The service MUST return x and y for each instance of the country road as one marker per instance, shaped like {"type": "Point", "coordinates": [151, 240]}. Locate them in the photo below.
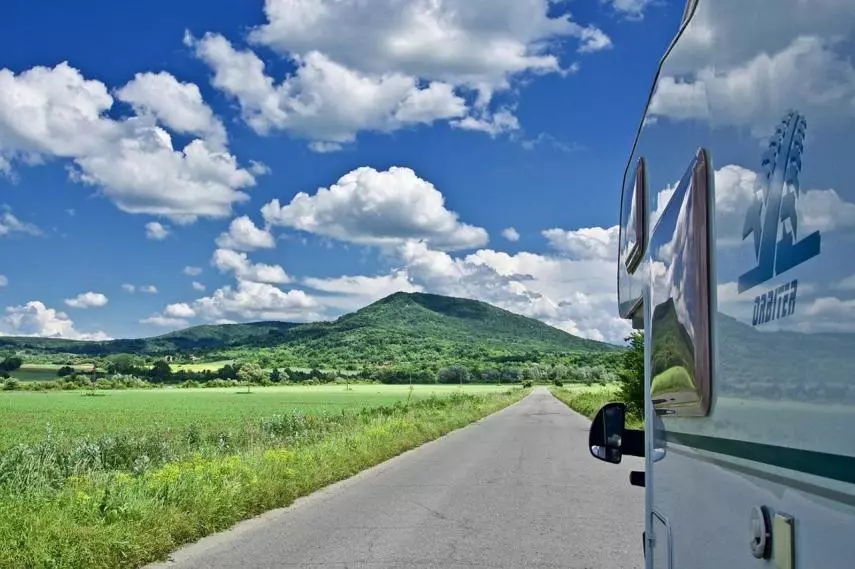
{"type": "Point", "coordinates": [517, 489]}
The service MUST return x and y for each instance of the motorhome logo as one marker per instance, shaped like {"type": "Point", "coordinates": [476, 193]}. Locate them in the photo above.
{"type": "Point", "coordinates": [773, 222]}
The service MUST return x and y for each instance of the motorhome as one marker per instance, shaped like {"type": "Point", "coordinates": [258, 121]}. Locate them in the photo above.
{"type": "Point", "coordinates": [737, 259]}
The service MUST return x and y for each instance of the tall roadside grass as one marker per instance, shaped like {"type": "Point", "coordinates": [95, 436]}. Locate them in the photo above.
{"type": "Point", "coordinates": [587, 400]}
{"type": "Point", "coordinates": [125, 501]}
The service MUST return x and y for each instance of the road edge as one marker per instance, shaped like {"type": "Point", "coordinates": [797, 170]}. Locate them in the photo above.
{"type": "Point", "coordinates": [196, 548]}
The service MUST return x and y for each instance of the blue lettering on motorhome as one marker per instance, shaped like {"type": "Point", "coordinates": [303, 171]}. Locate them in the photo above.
{"type": "Point", "coordinates": [775, 304]}
{"type": "Point", "coordinates": [775, 209]}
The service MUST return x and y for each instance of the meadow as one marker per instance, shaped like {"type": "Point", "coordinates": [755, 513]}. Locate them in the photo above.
{"type": "Point", "coordinates": [42, 372]}
{"type": "Point", "coordinates": [27, 416]}
{"type": "Point", "coordinates": [587, 399]}
{"type": "Point", "coordinates": [124, 477]}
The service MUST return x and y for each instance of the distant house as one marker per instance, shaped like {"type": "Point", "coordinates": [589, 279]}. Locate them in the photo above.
{"type": "Point", "coordinates": [169, 359]}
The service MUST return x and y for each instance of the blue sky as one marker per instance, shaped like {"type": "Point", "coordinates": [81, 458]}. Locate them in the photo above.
{"type": "Point", "coordinates": [131, 141]}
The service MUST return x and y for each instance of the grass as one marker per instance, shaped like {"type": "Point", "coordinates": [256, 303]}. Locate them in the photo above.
{"type": "Point", "coordinates": [206, 366]}
{"type": "Point", "coordinates": [587, 400]}
{"type": "Point", "coordinates": [71, 414]}
{"type": "Point", "coordinates": [673, 379]}
{"type": "Point", "coordinates": [42, 372]}
{"type": "Point", "coordinates": [101, 505]}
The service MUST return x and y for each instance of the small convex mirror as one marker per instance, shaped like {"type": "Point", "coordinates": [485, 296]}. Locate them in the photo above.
{"type": "Point", "coordinates": [607, 431]}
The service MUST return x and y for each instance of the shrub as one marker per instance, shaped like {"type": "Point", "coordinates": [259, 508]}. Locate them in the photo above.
{"type": "Point", "coordinates": [557, 383]}
{"type": "Point", "coordinates": [527, 383]}
{"type": "Point", "coordinates": [11, 384]}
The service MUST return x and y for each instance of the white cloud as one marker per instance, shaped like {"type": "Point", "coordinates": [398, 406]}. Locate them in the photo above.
{"type": "Point", "coordinates": [164, 321]}
{"type": "Point", "coordinates": [807, 74]}
{"type": "Point", "coordinates": [258, 168]}
{"type": "Point", "coordinates": [511, 234]}
{"type": "Point", "coordinates": [354, 292]}
{"type": "Point", "coordinates": [388, 64]}
{"type": "Point", "coordinates": [471, 42]}
{"type": "Point", "coordinates": [57, 113]}
{"type": "Point", "coordinates": [846, 284]}
{"type": "Point", "coordinates": [4, 281]}
{"type": "Point", "coordinates": [232, 261]}
{"type": "Point", "coordinates": [177, 105]}
{"type": "Point", "coordinates": [156, 230]}
{"type": "Point", "coordinates": [11, 224]}
{"type": "Point", "coordinates": [243, 235]}
{"type": "Point", "coordinates": [87, 300]}
{"type": "Point", "coordinates": [36, 319]}
{"type": "Point", "coordinates": [179, 310]}
{"type": "Point", "coordinates": [148, 289]}
{"type": "Point", "coordinates": [198, 286]}
{"type": "Point", "coordinates": [257, 301]}
{"type": "Point", "coordinates": [129, 288]}
{"type": "Point", "coordinates": [630, 9]}
{"type": "Point", "coordinates": [576, 295]}
{"type": "Point", "coordinates": [377, 208]}
{"type": "Point", "coordinates": [192, 271]}
{"type": "Point", "coordinates": [585, 243]}
{"type": "Point", "coordinates": [324, 101]}
{"type": "Point", "coordinates": [499, 123]}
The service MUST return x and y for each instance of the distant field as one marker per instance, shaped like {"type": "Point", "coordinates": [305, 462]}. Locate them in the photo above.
{"type": "Point", "coordinates": [72, 413]}
{"type": "Point", "coordinates": [42, 372]}
{"type": "Point", "coordinates": [212, 366]}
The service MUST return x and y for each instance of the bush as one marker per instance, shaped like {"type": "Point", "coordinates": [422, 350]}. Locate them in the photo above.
{"type": "Point", "coordinates": [557, 383]}
{"type": "Point", "coordinates": [527, 383]}
{"type": "Point", "coordinates": [190, 384]}
{"type": "Point", "coordinates": [11, 384]}
{"type": "Point", "coordinates": [632, 376]}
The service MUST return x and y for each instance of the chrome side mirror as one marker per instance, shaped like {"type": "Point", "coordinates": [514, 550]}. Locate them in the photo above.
{"type": "Point", "coordinates": [607, 433]}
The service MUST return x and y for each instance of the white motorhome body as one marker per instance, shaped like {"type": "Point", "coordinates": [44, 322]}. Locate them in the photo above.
{"type": "Point", "coordinates": [737, 258]}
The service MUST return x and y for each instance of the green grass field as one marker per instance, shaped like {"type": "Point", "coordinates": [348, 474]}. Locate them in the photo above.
{"type": "Point", "coordinates": [42, 372]}
{"type": "Point", "coordinates": [74, 413]}
{"type": "Point", "coordinates": [152, 471]}
{"type": "Point", "coordinates": [206, 366]}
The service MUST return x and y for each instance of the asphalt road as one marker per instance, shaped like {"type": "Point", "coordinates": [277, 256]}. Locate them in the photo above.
{"type": "Point", "coordinates": [517, 489]}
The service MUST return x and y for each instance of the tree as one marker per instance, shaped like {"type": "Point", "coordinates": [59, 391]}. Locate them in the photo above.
{"type": "Point", "coordinates": [275, 375]}
{"type": "Point", "coordinates": [11, 363]}
{"type": "Point", "coordinates": [454, 374]}
{"type": "Point", "coordinates": [631, 377]}
{"type": "Point", "coordinates": [250, 373]}
{"type": "Point", "coordinates": [161, 371]}
{"type": "Point", "coordinates": [65, 371]}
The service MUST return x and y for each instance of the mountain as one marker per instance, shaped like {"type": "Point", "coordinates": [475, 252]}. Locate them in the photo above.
{"type": "Point", "coordinates": [394, 327]}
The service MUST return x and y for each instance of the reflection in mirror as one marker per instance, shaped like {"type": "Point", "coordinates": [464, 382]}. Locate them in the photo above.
{"type": "Point", "coordinates": [633, 237]}
{"type": "Point", "coordinates": [679, 258]}
{"type": "Point", "coordinates": [607, 431]}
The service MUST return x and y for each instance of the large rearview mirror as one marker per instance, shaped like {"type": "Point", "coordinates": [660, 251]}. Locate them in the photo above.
{"type": "Point", "coordinates": [607, 432]}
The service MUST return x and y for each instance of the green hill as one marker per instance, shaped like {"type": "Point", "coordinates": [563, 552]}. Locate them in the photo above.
{"type": "Point", "coordinates": [403, 327]}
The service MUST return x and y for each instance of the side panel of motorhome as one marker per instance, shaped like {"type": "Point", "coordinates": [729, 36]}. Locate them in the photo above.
{"type": "Point", "coordinates": [748, 145]}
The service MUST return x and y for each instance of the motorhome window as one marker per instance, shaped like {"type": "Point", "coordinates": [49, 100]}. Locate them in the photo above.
{"type": "Point", "coordinates": [633, 223]}
{"type": "Point", "coordinates": [680, 291]}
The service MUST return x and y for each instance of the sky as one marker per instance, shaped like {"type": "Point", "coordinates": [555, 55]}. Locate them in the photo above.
{"type": "Point", "coordinates": [172, 164]}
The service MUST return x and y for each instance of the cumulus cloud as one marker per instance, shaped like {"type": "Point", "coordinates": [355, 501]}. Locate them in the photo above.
{"type": "Point", "coordinates": [11, 224]}
{"type": "Point", "coordinates": [227, 261]}
{"type": "Point", "coordinates": [57, 113]}
{"type": "Point", "coordinates": [127, 287]}
{"type": "Point", "coordinates": [354, 292]}
{"type": "Point", "coordinates": [87, 300]}
{"type": "Point", "coordinates": [630, 9]}
{"type": "Point", "coordinates": [585, 243]}
{"type": "Point", "coordinates": [164, 321]}
{"type": "Point", "coordinates": [198, 286]}
{"type": "Point", "coordinates": [511, 234]}
{"type": "Point", "coordinates": [257, 301]}
{"type": "Point", "coordinates": [388, 64]}
{"type": "Point", "coordinates": [156, 230]}
{"type": "Point", "coordinates": [192, 271]}
{"type": "Point", "coordinates": [36, 319]}
{"type": "Point", "coordinates": [807, 74]}
{"type": "Point", "coordinates": [243, 235]}
{"type": "Point", "coordinates": [148, 289]}
{"type": "Point", "coordinates": [377, 208]}
{"type": "Point", "coordinates": [177, 105]}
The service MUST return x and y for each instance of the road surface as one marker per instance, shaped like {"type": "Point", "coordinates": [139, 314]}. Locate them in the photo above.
{"type": "Point", "coordinates": [517, 489]}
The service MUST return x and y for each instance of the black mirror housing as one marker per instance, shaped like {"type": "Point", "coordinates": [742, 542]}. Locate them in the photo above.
{"type": "Point", "coordinates": [605, 439]}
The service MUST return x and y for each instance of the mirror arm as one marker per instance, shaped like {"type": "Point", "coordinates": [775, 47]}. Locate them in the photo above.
{"type": "Point", "coordinates": [633, 442]}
